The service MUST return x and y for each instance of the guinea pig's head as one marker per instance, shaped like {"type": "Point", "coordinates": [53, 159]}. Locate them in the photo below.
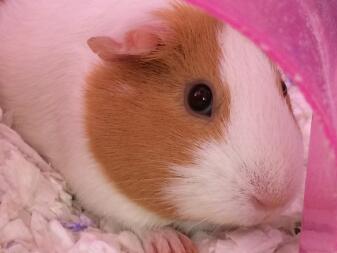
{"type": "Point", "coordinates": [191, 121]}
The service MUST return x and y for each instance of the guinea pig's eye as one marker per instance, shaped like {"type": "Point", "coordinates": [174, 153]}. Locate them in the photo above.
{"type": "Point", "coordinates": [200, 99]}
{"type": "Point", "coordinates": [284, 89]}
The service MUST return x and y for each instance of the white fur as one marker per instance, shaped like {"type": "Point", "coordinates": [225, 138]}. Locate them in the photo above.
{"type": "Point", "coordinates": [261, 153]}
{"type": "Point", "coordinates": [43, 61]}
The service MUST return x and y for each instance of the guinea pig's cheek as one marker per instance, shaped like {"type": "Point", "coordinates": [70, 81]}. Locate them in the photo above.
{"type": "Point", "coordinates": [204, 190]}
{"type": "Point", "coordinates": [134, 148]}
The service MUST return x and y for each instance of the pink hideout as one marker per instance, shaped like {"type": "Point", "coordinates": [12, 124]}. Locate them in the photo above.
{"type": "Point", "coordinates": [301, 37]}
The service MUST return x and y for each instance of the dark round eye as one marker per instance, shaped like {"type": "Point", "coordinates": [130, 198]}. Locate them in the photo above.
{"type": "Point", "coordinates": [284, 89]}
{"type": "Point", "coordinates": [200, 98]}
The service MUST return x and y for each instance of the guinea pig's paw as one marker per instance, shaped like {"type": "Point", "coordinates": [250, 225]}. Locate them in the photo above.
{"type": "Point", "coordinates": [129, 242]}
{"type": "Point", "coordinates": [167, 240]}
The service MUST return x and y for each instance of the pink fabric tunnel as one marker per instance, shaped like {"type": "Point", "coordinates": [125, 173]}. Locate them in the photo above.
{"type": "Point", "coordinates": [301, 36]}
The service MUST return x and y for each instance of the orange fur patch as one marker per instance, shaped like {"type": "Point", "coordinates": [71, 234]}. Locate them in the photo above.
{"type": "Point", "coordinates": [137, 122]}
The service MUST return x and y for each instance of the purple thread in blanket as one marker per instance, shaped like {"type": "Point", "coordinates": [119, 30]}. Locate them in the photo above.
{"type": "Point", "coordinates": [75, 226]}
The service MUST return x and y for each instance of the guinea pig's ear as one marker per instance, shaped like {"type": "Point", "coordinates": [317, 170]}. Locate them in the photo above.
{"type": "Point", "coordinates": [140, 41]}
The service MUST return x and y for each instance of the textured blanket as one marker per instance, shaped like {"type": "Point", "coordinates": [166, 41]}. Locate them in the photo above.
{"type": "Point", "coordinates": [38, 215]}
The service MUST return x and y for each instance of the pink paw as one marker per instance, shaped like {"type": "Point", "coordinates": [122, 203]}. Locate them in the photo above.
{"type": "Point", "coordinates": [167, 240]}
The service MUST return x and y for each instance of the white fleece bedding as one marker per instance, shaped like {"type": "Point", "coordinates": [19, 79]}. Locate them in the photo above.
{"type": "Point", "coordinates": [37, 214]}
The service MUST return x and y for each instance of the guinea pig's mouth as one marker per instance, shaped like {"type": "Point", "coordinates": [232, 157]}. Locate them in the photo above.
{"type": "Point", "coordinates": [269, 216]}
{"type": "Point", "coordinates": [262, 214]}
{"type": "Point", "coordinates": [268, 204]}
{"type": "Point", "coordinates": [258, 220]}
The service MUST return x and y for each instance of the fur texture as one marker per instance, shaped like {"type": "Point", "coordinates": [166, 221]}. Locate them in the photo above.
{"type": "Point", "coordinates": [238, 175]}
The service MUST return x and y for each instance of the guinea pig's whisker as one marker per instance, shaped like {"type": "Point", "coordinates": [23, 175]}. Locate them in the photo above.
{"type": "Point", "coordinates": [205, 220]}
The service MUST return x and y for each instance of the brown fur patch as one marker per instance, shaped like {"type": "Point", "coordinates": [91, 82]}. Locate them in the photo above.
{"type": "Point", "coordinates": [136, 119]}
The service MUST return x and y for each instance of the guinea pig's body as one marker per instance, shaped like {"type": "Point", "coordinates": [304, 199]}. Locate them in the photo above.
{"type": "Point", "coordinates": [107, 107]}
{"type": "Point", "coordinates": [44, 64]}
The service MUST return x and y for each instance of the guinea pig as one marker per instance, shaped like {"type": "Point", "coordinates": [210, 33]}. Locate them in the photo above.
{"type": "Point", "coordinates": [155, 113]}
